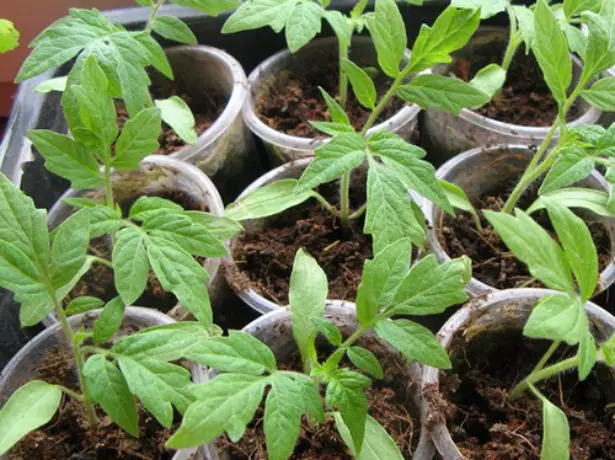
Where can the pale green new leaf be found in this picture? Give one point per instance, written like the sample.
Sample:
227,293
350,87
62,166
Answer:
377,444
210,7
457,197
109,321
601,94
53,84
600,42
487,8
388,33
173,28
336,111
365,360
489,79
83,304
331,128
147,207
303,24
361,83
340,25
555,432
572,166
331,333
177,114
557,317
9,36
108,388
30,407
525,23
139,138
259,13
130,264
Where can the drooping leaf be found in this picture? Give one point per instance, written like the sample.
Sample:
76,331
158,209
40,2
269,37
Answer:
177,114
555,432
489,79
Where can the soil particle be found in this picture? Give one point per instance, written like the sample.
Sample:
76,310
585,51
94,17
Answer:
525,98
485,424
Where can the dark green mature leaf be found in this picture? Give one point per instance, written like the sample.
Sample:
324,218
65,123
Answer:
336,111
109,321
414,342
381,278
532,245
388,33
160,386
555,432
551,51
83,304
362,85
210,7
30,407
377,444
173,28
267,201
222,228
130,264
576,197
431,288
307,296
139,138
338,156
450,32
571,167
177,114
578,245
366,361
239,352
601,94
283,410
108,388
390,214
487,8
345,391
67,158
445,93
226,403
70,247
259,13
557,317
587,354
303,24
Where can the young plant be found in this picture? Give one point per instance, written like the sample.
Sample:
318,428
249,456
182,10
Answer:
571,268
394,166
325,389
41,268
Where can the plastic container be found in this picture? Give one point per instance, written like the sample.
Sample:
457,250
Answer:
448,134
274,329
498,311
157,174
480,170
226,150
283,147
22,368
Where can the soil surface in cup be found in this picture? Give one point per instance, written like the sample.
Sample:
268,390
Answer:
68,435
485,424
388,402
492,261
206,111
291,100
525,98
98,281
265,258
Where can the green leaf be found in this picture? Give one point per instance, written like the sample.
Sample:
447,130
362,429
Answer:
109,321
577,40
336,112
267,201
574,7
588,133
226,403
283,411
550,49
103,220
390,214
307,296
602,94
177,114
147,207
9,36
259,13
600,49
532,245
108,388
388,144
83,304
381,278
555,432
576,197
130,264
159,386
362,85
489,79
579,249
487,8
366,361
450,32
431,288
445,93
222,228
525,23
303,24
557,317
331,333
587,354
457,197
139,138
311,398
377,444
67,158
388,33
330,128
30,407
340,25
53,84
572,166
175,29
239,352
414,342
340,155
70,247
210,7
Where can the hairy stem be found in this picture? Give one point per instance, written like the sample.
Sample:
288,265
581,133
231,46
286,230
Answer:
152,15
343,80
109,188
71,393
101,260
359,212
325,204
514,39
380,106
545,358
543,374
344,214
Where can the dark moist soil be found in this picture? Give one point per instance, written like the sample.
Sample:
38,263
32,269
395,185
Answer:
485,424
492,262
292,100
388,402
68,436
206,112
98,281
265,258
525,98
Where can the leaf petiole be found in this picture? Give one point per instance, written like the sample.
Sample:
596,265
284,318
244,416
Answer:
543,374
